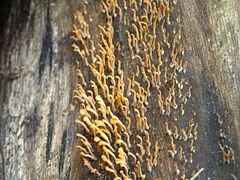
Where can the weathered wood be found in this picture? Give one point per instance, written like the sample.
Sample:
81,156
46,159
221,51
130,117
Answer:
37,79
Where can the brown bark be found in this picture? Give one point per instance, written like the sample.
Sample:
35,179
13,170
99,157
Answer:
37,79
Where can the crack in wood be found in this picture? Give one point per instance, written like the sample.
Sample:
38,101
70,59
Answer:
50,132
47,48
2,169
62,152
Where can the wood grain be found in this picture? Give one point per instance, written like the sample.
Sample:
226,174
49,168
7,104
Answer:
37,79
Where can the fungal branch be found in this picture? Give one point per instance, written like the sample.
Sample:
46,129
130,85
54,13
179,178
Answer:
115,96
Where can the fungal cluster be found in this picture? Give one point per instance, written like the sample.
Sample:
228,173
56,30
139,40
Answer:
131,65
227,152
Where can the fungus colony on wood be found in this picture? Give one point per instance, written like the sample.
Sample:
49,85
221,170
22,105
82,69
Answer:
133,60
227,152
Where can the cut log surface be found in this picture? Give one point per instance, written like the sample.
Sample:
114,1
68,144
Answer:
38,78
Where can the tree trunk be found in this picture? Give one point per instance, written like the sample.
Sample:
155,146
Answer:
38,78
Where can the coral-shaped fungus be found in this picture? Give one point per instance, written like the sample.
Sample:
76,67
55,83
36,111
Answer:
135,66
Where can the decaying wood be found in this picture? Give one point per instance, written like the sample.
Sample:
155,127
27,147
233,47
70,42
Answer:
37,79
